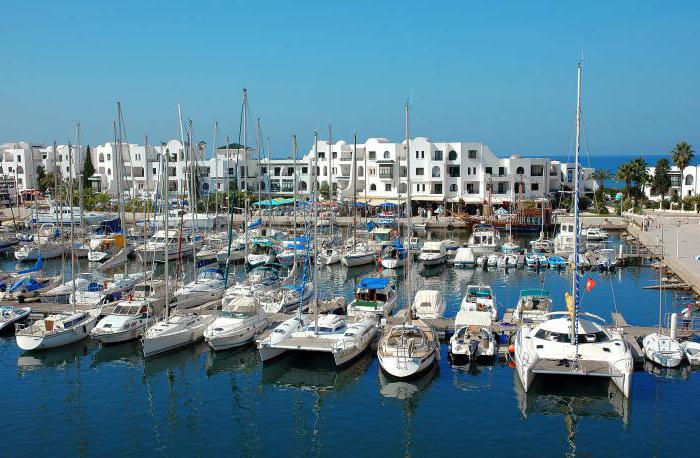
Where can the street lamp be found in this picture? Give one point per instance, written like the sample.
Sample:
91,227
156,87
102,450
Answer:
678,229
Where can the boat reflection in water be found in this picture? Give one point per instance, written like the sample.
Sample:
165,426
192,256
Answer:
360,271
473,376
408,389
173,360
125,354
56,358
298,370
579,397
241,359
680,372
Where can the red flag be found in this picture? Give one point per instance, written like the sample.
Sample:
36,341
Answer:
590,284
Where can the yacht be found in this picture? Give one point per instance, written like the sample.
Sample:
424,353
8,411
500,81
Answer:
374,296
472,342
208,286
408,349
329,255
605,259
237,252
433,253
127,321
174,331
110,290
394,255
566,238
360,255
57,214
56,330
171,244
286,298
662,350
542,245
484,239
480,298
236,325
594,234
429,304
10,314
268,347
533,305
263,250
691,351
48,249
257,282
61,294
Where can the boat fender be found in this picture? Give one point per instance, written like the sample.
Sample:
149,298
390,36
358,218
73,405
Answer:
511,348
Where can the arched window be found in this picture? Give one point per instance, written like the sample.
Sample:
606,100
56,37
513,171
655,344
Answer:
453,187
519,171
403,188
386,154
302,186
689,180
402,171
436,172
361,171
109,171
373,187
452,155
102,157
20,169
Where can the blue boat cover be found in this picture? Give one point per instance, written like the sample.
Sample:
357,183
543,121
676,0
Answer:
29,285
374,283
258,222
35,268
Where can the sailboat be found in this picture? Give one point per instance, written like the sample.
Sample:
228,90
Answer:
409,348
659,348
573,343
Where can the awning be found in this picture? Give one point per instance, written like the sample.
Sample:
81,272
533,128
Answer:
428,198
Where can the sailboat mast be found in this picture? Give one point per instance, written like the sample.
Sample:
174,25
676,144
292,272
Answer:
330,162
577,241
193,198
408,207
166,204
216,171
258,141
314,201
354,187
245,154
294,210
72,223
80,181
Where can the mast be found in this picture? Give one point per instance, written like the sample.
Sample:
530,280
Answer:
193,199
166,273
269,191
314,201
258,141
577,241
229,199
72,225
146,202
408,208
354,188
80,181
216,168
330,162
366,185
245,146
294,232
122,128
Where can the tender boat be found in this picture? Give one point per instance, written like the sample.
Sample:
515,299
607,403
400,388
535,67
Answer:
56,330
237,324
606,260
465,258
9,315
374,296
662,350
208,286
533,305
484,239
175,331
394,255
472,341
691,351
433,253
507,261
127,321
492,260
429,304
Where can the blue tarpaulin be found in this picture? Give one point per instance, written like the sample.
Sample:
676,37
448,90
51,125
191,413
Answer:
257,223
29,285
35,268
374,283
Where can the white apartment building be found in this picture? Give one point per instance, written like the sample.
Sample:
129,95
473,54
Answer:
683,186
19,161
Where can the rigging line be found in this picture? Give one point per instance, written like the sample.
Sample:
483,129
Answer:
612,291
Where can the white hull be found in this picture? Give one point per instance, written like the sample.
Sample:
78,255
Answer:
109,338
357,260
46,252
433,260
155,345
7,321
235,336
58,339
405,367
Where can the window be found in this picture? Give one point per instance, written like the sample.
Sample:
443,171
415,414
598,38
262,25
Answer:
403,188
387,155
489,170
325,171
302,186
536,170
519,171
360,171
372,171
277,171
109,156
290,171
387,187
321,154
417,154
472,188
230,171
534,187
471,154
335,154
386,171
372,154
437,189
287,186
436,172
675,180
109,171
420,171
453,187
20,169
422,154
453,171
402,171
437,155
102,157
452,155
373,187
263,170
688,180
501,171
502,188
304,170
19,158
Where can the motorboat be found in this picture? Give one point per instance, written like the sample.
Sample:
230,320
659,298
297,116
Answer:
691,350
406,350
361,255
507,261
258,281
208,286
26,287
286,297
465,258
547,349
174,331
566,238
10,314
59,214
374,296
472,342
268,347
556,262
484,239
329,255
480,298
582,261
451,246
102,248
605,260
433,253
34,250
293,251
510,247
532,306
235,253
429,304
237,324
169,243
662,350
492,260
263,250
414,243
594,233
394,255
110,290
542,245
127,321
382,236
56,330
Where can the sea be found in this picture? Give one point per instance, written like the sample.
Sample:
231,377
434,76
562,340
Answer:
84,400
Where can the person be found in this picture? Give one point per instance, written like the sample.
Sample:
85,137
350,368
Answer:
687,314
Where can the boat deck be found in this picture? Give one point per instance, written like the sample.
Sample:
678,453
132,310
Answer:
307,344
563,367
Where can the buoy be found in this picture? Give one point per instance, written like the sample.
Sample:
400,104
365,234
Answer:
511,364
511,348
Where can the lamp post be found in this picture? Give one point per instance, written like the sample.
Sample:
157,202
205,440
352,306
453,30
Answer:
678,230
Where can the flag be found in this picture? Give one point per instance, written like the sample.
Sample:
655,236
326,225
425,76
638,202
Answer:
569,301
590,284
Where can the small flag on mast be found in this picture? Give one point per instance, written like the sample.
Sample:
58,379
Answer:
590,284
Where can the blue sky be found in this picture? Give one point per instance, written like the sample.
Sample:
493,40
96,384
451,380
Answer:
498,72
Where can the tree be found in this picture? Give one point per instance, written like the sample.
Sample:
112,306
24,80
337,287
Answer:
600,175
681,155
661,182
639,173
625,173
88,168
324,190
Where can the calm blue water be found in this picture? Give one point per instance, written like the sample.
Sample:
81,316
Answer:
83,400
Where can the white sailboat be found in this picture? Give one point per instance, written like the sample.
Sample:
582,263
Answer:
208,286
237,324
409,348
573,343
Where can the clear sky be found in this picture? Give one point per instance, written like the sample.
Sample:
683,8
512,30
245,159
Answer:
498,72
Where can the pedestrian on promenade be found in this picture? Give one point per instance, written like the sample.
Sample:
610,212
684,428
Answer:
687,314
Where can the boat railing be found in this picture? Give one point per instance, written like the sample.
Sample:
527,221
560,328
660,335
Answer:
33,329
586,314
690,325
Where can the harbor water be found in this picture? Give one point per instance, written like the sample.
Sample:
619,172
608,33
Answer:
84,400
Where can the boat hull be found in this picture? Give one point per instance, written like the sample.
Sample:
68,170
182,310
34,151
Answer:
69,336
411,368
359,260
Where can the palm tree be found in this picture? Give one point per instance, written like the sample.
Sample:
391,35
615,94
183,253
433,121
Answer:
640,176
625,173
681,155
600,175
